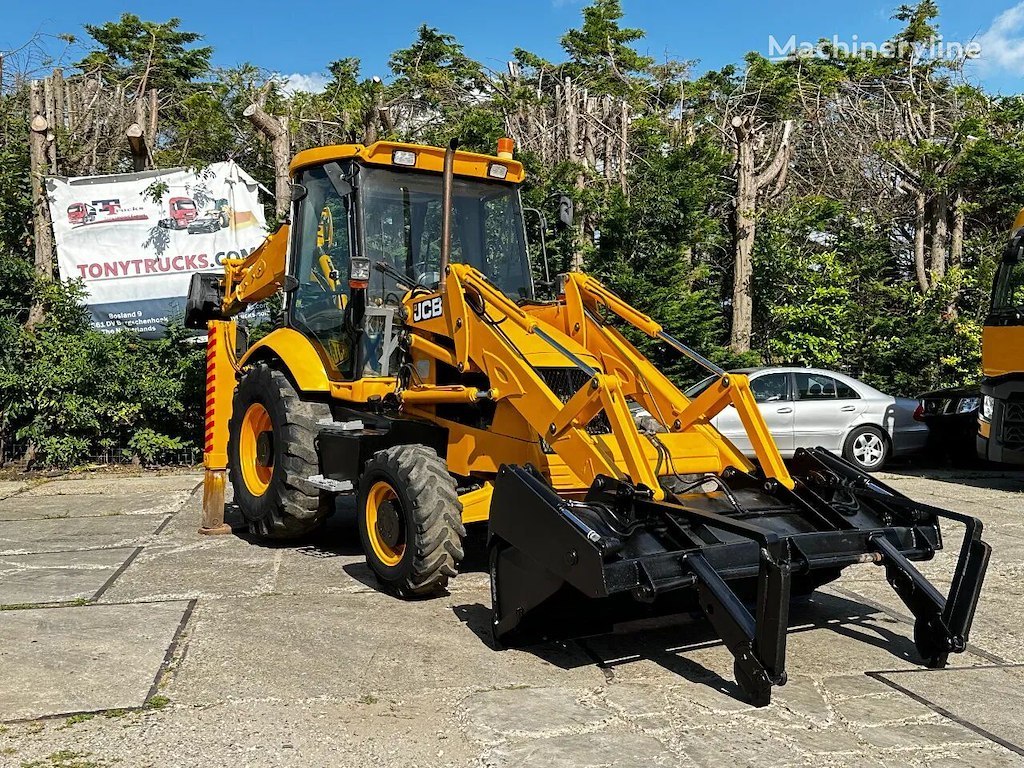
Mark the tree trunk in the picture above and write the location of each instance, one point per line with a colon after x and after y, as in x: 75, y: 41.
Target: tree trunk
x: 940, y: 236
x: 956, y: 240
x: 919, y: 223
x: 49, y: 112
x: 623, y: 145
x: 42, y: 233
x: 746, y: 202
x: 154, y: 123
x: 275, y: 129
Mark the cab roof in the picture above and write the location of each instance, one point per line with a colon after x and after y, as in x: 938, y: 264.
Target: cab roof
x: 427, y: 159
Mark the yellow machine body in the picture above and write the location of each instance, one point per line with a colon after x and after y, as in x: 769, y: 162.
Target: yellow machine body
x: 438, y: 393
x: 530, y: 424
x: 1001, y: 421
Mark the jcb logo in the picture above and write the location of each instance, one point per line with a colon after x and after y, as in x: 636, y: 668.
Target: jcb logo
x: 426, y: 309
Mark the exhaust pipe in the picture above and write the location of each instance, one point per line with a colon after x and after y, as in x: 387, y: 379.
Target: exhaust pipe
x: 446, y: 211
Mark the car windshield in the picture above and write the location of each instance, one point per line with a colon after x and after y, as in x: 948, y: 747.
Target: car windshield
x: 401, y: 216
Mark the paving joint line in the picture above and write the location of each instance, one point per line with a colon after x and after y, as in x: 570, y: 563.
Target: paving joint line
x: 940, y: 710
x: 113, y: 577
x: 169, y: 654
x: 992, y: 657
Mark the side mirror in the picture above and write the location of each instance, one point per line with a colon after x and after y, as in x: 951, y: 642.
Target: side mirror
x: 1015, y: 248
x: 298, y: 192
x: 565, y: 211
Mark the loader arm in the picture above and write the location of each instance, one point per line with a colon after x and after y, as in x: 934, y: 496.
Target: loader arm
x: 586, y: 297
x: 489, y: 333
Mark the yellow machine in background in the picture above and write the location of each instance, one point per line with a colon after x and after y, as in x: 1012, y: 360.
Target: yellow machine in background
x: 418, y: 372
x: 1001, y: 422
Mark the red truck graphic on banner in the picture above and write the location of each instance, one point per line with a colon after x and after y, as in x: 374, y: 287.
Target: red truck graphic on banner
x: 183, y: 211
x: 81, y: 213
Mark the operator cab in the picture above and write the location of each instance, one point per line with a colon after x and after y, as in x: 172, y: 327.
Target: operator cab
x: 382, y: 204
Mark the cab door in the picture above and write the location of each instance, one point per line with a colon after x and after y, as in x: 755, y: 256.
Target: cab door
x: 774, y: 397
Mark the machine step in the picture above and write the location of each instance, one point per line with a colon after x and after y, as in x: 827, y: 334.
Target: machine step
x: 341, y: 426
x: 327, y: 484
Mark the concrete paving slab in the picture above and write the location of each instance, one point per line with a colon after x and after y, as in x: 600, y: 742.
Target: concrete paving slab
x: 10, y: 487
x: 104, y: 484
x: 989, y: 700
x: 57, y: 660
x: 292, y: 657
x: 26, y: 507
x: 358, y: 644
x: 607, y: 749
x: 58, y: 577
x: 413, y: 732
x: 208, y: 568
x: 34, y: 536
x: 530, y: 713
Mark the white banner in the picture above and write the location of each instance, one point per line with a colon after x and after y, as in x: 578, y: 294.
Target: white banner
x: 136, y: 255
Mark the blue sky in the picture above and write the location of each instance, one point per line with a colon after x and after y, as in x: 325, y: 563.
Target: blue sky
x: 301, y: 36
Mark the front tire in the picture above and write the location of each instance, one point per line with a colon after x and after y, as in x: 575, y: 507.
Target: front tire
x: 271, y: 455
x: 410, y: 520
x: 867, y: 448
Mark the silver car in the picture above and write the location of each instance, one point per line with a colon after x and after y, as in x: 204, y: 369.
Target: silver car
x: 811, y: 407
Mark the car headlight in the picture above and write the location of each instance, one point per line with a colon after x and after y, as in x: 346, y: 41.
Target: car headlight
x: 988, y: 405
x: 968, y: 404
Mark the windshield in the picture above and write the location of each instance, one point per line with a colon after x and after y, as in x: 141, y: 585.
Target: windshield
x: 1008, y: 294
x: 183, y: 204
x: 401, y: 218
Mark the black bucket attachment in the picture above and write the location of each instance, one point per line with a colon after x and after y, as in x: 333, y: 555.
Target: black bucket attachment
x: 734, y: 547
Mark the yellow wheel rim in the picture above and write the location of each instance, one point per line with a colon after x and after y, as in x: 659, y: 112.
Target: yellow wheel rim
x: 380, y: 493
x: 256, y: 476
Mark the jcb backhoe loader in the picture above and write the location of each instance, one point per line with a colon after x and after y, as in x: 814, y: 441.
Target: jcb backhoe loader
x: 417, y: 371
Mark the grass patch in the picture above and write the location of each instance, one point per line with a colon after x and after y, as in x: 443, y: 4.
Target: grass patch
x: 82, y: 717
x: 115, y: 713
x: 157, y: 702
x: 65, y: 758
x: 77, y: 602
x: 368, y: 698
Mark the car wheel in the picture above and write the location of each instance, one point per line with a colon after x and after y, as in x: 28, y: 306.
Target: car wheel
x: 867, y: 448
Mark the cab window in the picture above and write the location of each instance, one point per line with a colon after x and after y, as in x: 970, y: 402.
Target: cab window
x: 321, y: 250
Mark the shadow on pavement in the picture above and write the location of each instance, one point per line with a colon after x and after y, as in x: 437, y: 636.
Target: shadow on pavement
x: 668, y: 643
x: 1002, y: 478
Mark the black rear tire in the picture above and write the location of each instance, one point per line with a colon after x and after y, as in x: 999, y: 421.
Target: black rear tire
x: 273, y: 492
x: 410, y: 520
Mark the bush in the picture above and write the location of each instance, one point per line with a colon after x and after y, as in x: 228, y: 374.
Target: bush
x: 68, y: 392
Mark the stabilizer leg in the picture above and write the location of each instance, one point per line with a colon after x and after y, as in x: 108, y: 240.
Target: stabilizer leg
x: 941, y: 626
x: 220, y: 383
x: 759, y: 647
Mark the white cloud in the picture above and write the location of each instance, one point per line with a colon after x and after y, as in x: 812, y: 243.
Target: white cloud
x: 311, y: 83
x: 1002, y: 44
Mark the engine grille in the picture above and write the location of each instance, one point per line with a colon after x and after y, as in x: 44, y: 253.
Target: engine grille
x: 1013, y: 425
x: 566, y: 382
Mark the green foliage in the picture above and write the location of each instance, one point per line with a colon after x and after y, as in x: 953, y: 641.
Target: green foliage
x: 146, y: 54
x: 70, y: 392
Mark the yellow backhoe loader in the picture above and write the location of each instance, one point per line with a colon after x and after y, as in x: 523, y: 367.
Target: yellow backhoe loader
x: 417, y: 371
